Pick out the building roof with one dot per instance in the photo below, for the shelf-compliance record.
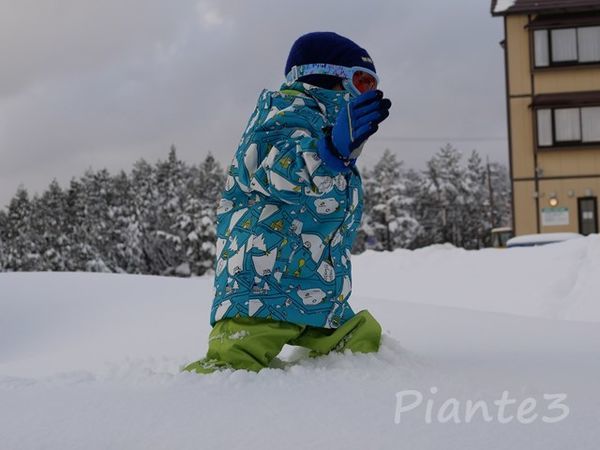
(547, 21)
(505, 7)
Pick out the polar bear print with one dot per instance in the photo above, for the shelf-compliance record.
(326, 205)
(225, 205)
(323, 184)
(311, 296)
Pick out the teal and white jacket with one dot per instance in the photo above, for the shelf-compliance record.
(286, 221)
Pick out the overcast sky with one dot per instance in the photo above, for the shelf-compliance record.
(104, 83)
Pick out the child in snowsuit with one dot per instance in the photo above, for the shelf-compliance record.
(290, 210)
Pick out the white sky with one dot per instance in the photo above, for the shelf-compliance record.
(103, 83)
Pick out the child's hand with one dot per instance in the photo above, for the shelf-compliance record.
(358, 121)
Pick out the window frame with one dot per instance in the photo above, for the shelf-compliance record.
(558, 64)
(561, 144)
(555, 141)
(566, 62)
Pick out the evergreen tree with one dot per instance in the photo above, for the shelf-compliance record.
(161, 218)
(145, 195)
(420, 206)
(389, 222)
(211, 180)
(98, 197)
(3, 241)
(22, 253)
(78, 252)
(125, 248)
(445, 195)
(168, 238)
(197, 221)
(49, 225)
(476, 218)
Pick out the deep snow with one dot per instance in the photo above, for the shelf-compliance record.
(92, 360)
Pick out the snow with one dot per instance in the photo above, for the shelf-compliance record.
(558, 281)
(542, 238)
(93, 360)
(503, 5)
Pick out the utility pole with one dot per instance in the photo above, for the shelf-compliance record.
(491, 193)
(388, 216)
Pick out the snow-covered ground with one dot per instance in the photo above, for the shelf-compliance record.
(91, 361)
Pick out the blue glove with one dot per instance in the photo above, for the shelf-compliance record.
(354, 125)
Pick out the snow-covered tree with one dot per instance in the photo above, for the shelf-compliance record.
(125, 248)
(211, 180)
(161, 218)
(145, 198)
(22, 253)
(453, 201)
(388, 222)
(445, 195)
(96, 219)
(475, 220)
(169, 246)
(77, 253)
(205, 189)
(49, 225)
(3, 242)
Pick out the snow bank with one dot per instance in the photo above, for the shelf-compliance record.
(528, 240)
(557, 281)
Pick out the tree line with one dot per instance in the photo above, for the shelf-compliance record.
(451, 200)
(160, 218)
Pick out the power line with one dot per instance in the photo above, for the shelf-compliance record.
(436, 139)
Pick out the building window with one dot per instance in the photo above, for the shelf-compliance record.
(568, 126)
(544, 124)
(566, 46)
(542, 58)
(589, 44)
(590, 124)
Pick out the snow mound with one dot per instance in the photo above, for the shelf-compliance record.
(557, 281)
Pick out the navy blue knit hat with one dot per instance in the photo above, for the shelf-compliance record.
(329, 48)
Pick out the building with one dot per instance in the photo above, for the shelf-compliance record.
(552, 64)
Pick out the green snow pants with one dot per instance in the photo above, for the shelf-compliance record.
(251, 343)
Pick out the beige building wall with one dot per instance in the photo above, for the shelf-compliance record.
(517, 45)
(571, 79)
(525, 207)
(567, 192)
(569, 162)
(523, 84)
(521, 123)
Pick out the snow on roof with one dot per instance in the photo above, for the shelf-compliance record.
(503, 5)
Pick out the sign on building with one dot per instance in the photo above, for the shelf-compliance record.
(552, 217)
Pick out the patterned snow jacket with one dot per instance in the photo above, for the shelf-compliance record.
(285, 221)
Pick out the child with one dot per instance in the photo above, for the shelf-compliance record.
(290, 210)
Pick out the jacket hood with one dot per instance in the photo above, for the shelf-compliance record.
(330, 102)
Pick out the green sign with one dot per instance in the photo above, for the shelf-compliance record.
(555, 217)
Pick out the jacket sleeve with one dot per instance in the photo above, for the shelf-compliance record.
(292, 159)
